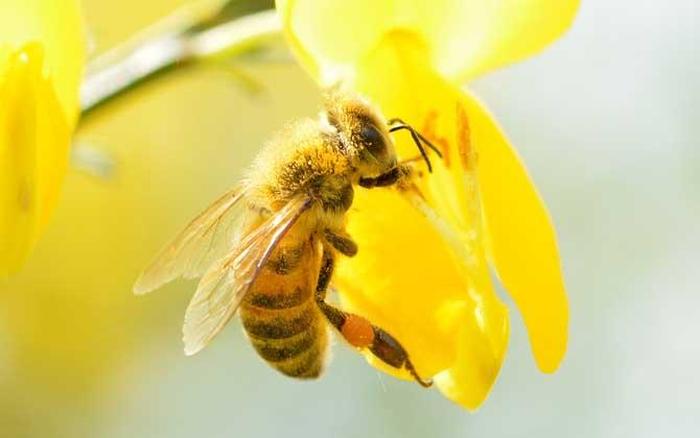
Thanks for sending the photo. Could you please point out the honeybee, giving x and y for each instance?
(268, 247)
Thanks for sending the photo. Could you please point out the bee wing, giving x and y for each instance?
(206, 239)
(224, 285)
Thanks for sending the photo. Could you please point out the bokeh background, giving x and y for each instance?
(607, 122)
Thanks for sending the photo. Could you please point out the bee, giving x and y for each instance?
(267, 248)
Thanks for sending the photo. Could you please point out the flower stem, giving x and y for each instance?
(177, 44)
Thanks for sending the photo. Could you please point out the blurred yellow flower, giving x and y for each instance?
(41, 64)
(422, 271)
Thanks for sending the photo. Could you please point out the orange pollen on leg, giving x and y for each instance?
(358, 331)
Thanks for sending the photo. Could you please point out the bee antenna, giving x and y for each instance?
(418, 139)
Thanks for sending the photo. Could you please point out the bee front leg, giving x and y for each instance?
(385, 179)
(358, 331)
(341, 241)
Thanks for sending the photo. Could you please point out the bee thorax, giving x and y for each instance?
(335, 194)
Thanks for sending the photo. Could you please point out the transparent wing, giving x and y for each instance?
(206, 239)
(224, 285)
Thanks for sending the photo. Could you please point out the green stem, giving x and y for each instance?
(129, 67)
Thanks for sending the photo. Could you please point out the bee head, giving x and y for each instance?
(362, 131)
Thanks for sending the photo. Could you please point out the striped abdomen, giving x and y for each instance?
(280, 313)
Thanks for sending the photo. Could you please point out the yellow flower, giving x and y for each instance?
(41, 64)
(422, 271)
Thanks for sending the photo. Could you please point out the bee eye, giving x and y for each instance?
(372, 138)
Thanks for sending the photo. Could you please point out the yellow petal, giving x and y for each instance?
(464, 37)
(402, 278)
(405, 280)
(58, 27)
(424, 277)
(34, 141)
(523, 245)
(521, 237)
(474, 37)
(41, 65)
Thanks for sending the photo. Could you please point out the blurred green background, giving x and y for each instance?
(606, 121)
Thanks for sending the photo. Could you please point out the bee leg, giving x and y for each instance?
(383, 180)
(341, 241)
(358, 331)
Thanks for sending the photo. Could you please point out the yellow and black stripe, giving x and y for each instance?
(280, 314)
